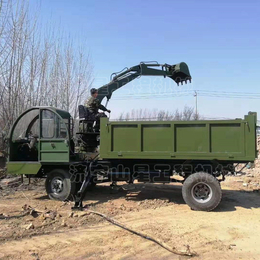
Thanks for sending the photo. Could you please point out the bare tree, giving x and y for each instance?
(160, 115)
(38, 65)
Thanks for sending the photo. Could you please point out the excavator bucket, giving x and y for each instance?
(180, 73)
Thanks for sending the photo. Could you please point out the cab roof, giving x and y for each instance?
(61, 112)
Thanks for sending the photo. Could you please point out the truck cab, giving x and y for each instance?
(40, 135)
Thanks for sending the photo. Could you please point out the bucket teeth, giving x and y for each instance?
(184, 80)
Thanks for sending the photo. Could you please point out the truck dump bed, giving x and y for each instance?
(228, 140)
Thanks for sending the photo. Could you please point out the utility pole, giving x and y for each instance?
(196, 100)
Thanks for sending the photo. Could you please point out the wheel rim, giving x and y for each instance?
(57, 185)
(201, 192)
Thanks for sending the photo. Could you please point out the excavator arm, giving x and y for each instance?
(178, 72)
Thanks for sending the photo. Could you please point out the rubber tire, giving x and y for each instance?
(210, 181)
(68, 186)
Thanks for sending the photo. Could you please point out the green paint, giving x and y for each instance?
(54, 150)
(179, 73)
(23, 167)
(202, 140)
(160, 142)
(191, 138)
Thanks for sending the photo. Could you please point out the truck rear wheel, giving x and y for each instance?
(59, 186)
(202, 191)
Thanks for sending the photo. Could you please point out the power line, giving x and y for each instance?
(173, 95)
(204, 93)
(226, 96)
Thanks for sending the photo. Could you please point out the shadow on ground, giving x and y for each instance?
(230, 198)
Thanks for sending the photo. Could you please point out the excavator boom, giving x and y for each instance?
(178, 72)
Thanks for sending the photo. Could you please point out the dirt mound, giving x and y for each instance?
(256, 166)
(248, 175)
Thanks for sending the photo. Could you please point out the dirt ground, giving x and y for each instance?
(53, 231)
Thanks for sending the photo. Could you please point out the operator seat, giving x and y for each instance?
(84, 113)
(86, 119)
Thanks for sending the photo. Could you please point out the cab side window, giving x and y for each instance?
(23, 124)
(52, 126)
(48, 124)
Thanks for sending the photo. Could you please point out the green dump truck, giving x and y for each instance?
(42, 145)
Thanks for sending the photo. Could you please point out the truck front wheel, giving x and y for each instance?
(202, 191)
(59, 186)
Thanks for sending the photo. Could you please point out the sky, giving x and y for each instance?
(219, 40)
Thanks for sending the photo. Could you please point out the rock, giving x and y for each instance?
(51, 214)
(26, 207)
(165, 200)
(245, 184)
(231, 246)
(71, 214)
(36, 256)
(82, 214)
(123, 207)
(34, 213)
(11, 181)
(30, 226)
(58, 216)
(63, 223)
(42, 217)
(3, 215)
(2, 173)
(64, 204)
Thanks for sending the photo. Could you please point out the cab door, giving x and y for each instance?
(54, 138)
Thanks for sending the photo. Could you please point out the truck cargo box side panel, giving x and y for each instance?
(157, 138)
(191, 138)
(124, 138)
(226, 138)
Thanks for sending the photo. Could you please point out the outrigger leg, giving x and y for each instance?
(82, 191)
